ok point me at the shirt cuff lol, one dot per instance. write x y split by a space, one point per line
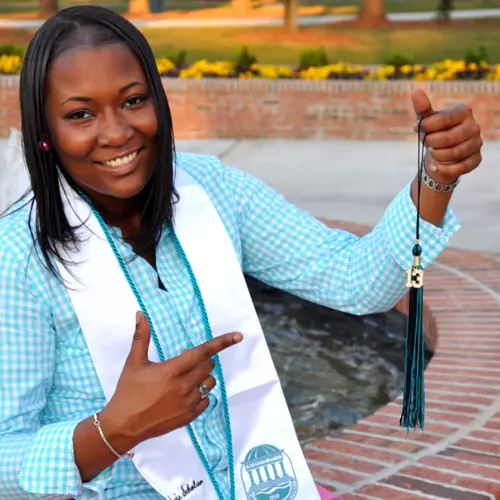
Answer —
399 228
49 465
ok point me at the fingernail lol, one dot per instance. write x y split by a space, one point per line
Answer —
137 318
433 168
238 337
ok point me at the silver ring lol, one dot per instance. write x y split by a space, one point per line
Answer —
203 390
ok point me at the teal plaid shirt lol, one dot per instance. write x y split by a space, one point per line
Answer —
48 382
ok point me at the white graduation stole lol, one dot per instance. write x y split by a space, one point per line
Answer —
269 463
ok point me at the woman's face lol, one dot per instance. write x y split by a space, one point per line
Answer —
102 120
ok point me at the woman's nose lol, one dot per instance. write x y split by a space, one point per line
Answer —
114 130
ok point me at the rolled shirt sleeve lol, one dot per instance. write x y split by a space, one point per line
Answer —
399 231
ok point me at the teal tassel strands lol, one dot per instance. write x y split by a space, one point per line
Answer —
413 411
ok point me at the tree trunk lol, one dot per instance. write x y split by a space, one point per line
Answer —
372 12
47 8
444 9
139 8
291 22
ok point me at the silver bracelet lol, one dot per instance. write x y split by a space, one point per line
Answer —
436 186
129 454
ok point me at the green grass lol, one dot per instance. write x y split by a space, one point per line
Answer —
10 6
365 46
431 5
414 5
19 6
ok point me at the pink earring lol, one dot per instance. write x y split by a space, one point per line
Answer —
44 146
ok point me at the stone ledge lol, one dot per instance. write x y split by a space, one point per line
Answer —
299 109
376 87
457 456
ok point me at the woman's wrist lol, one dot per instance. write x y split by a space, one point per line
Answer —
433 204
121 439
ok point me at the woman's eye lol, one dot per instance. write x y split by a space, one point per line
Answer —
79 115
134 101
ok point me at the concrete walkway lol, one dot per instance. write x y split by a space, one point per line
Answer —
249 22
351 181
355 180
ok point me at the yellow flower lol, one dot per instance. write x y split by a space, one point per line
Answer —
431 73
165 65
390 70
448 63
267 71
285 72
10 64
406 69
204 68
447 69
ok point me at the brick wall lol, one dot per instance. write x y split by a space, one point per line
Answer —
299 109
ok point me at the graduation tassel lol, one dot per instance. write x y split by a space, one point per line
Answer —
413 412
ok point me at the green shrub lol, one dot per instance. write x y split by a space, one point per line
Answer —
178 58
476 56
245 59
313 58
398 60
8 49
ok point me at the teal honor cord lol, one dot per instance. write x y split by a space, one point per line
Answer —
208 330
413 411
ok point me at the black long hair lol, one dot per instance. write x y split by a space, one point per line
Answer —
72 28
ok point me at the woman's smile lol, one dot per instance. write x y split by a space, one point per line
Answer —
123 164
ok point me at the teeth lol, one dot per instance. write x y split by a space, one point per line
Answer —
118 162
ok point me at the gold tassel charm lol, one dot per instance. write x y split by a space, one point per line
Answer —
415 275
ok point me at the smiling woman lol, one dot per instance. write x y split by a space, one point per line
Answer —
104 128
121 241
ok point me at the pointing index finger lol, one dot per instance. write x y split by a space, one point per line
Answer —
188 360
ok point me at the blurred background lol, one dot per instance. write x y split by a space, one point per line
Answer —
282 32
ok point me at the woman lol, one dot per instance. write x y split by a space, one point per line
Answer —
118 223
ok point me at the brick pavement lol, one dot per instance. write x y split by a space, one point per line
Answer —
457 456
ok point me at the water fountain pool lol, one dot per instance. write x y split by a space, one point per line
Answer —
335 368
